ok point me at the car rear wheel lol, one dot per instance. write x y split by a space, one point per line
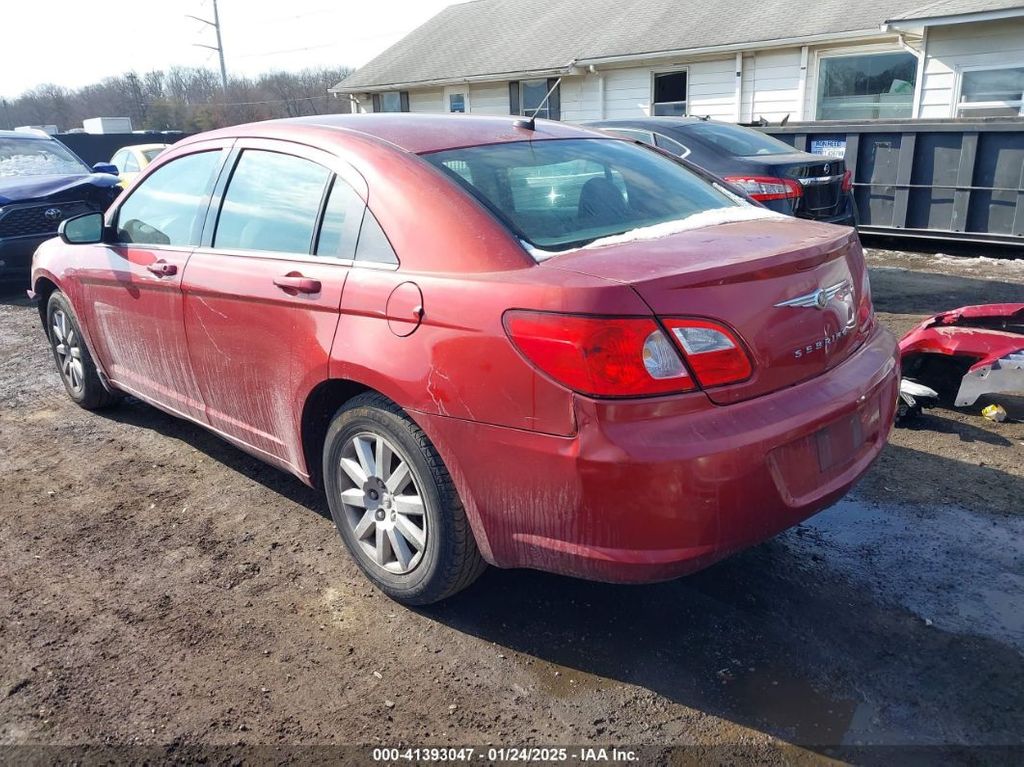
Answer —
74 362
395 505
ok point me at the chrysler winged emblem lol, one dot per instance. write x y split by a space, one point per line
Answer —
818 299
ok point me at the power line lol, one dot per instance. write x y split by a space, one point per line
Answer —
288 50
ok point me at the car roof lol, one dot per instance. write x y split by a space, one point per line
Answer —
416 133
32 135
144 147
666 122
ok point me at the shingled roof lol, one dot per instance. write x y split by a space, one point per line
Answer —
486 38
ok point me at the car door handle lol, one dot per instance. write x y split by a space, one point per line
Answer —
162 269
296 283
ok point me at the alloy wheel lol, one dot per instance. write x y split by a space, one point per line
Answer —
382 503
67 345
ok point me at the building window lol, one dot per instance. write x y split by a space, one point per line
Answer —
457 102
991 92
867 86
670 94
391 101
526 97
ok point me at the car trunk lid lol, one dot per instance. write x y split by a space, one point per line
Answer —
820 178
760 278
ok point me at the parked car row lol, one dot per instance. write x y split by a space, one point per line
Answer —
36 194
486 340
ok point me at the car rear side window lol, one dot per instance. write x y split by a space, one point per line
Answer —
339 231
564 193
272 203
739 141
168 206
374 246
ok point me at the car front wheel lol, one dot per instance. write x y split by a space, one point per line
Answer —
74 362
395 505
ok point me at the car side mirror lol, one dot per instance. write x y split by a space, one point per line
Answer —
106 167
86 229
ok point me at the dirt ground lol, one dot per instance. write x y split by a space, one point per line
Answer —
158 587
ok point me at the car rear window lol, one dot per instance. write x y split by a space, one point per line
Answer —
38 157
564 193
739 141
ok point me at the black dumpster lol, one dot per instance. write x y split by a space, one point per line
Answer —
959 180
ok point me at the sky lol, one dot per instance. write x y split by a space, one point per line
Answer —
74 43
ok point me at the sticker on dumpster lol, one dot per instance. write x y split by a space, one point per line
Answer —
829 147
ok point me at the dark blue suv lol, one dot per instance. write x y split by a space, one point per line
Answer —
42 182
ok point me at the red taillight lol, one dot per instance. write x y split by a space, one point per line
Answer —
713 352
628 356
764 188
603 357
848 181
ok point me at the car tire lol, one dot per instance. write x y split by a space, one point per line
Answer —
74 360
406 528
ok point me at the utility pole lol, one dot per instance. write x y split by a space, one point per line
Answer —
219 47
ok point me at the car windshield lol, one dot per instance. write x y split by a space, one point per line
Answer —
38 157
739 141
565 193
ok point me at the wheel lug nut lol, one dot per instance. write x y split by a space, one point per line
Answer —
379 515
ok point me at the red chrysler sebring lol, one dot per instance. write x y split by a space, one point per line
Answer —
489 342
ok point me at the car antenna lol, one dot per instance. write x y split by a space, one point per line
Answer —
530 123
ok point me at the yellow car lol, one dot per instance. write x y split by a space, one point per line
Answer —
130 160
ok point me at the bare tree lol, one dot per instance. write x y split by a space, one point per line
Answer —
180 98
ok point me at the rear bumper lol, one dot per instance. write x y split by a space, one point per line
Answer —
843 217
652 489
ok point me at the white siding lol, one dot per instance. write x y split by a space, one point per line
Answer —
712 89
775 83
627 92
996 43
426 101
581 98
771 81
488 98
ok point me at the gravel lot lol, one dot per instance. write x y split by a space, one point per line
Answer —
159 587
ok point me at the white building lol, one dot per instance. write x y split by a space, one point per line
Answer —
728 59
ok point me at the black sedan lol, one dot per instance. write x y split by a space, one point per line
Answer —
768 170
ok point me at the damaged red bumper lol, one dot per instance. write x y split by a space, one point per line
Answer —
968 352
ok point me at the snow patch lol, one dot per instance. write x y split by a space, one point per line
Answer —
706 218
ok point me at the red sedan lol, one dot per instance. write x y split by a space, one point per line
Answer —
488 342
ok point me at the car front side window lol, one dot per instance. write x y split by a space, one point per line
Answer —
271 204
167 208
